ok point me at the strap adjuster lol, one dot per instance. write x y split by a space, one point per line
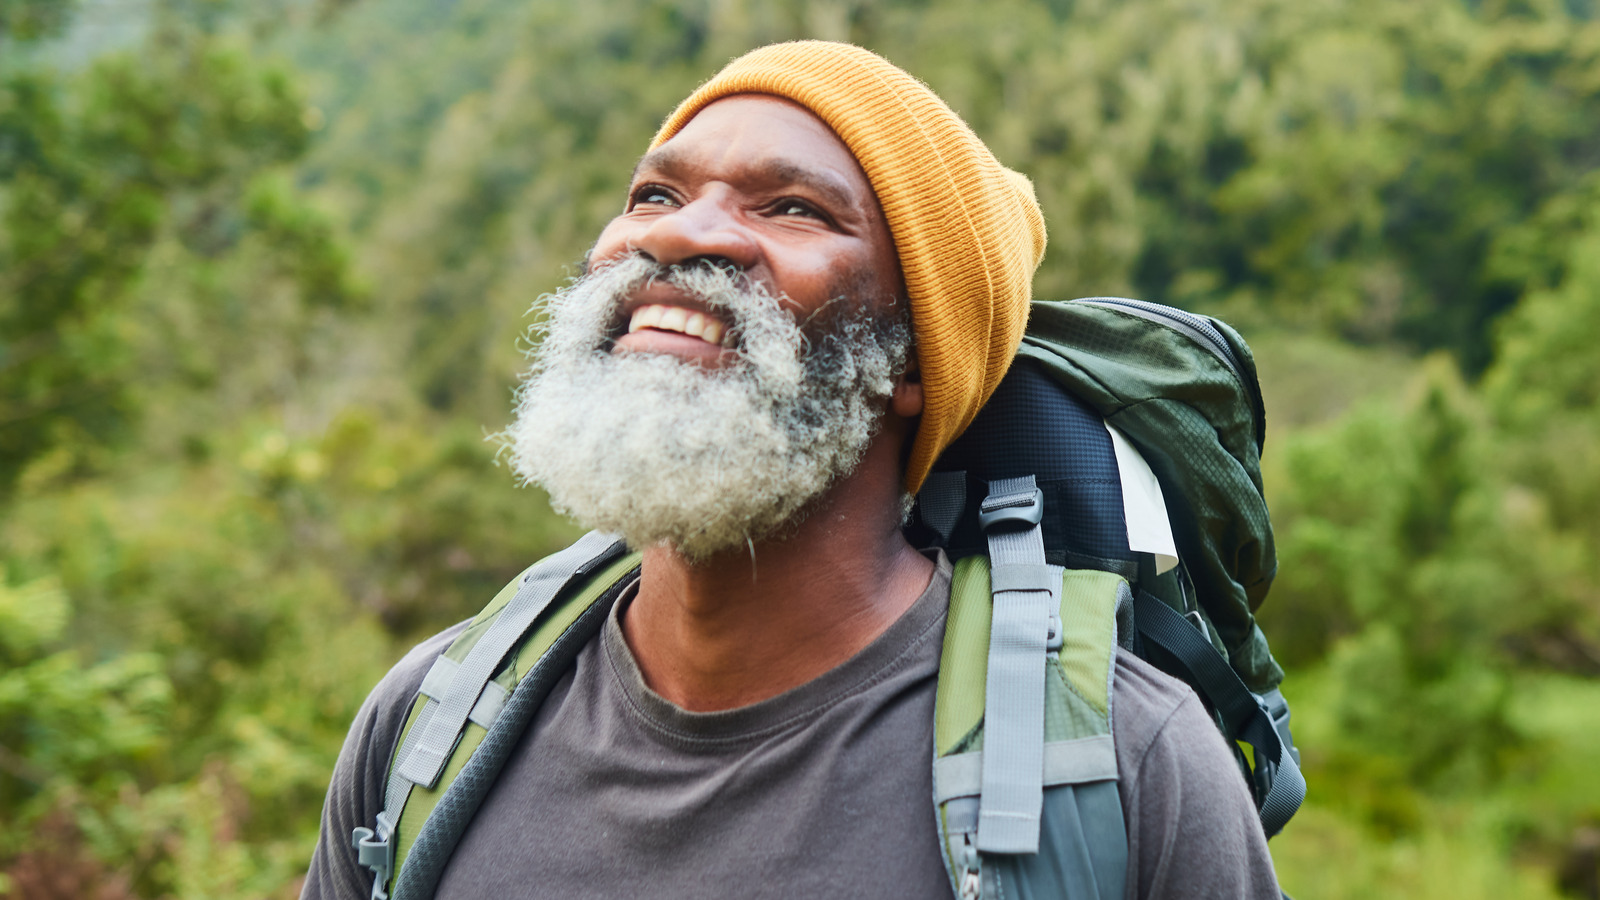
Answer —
1276 709
375 851
1021 510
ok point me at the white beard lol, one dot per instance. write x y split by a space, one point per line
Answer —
658 449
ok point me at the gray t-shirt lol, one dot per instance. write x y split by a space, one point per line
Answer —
822 791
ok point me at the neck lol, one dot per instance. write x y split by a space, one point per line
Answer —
752 622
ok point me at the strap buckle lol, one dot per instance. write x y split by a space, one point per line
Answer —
1021 510
1276 709
375 851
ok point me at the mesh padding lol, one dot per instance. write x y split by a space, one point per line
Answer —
1032 426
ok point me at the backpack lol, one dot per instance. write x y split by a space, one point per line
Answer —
1109 494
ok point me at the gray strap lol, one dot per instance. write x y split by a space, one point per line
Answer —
440 832
375 847
399 788
437 681
1022 576
489 703
1077 761
1028 596
454 693
542 583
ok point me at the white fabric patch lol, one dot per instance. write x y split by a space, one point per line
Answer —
1149 530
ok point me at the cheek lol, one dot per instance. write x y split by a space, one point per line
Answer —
823 276
613 241
867 279
886 263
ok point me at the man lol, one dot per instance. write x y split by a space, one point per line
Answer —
818 277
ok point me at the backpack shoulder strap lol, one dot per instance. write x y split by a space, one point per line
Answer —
464 701
1079 817
1260 720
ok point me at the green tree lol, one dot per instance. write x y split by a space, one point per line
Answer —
31 20
95 170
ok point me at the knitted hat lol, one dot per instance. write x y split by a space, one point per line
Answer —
968 230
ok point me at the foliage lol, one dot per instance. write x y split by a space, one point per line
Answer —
93 178
260 283
30 20
1384 170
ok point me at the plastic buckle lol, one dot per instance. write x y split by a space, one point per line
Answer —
1019 510
1053 641
375 851
1276 709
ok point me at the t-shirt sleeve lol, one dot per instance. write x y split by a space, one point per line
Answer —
1193 830
355 795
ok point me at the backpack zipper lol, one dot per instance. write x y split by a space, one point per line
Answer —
1197 328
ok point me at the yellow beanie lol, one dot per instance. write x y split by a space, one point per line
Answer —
968 230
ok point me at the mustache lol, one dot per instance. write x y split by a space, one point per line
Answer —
660 449
720 286
745 304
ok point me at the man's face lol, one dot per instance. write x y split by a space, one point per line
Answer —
761 185
728 355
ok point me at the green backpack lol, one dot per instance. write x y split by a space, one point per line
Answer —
1032 505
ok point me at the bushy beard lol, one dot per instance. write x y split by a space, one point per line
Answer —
658 449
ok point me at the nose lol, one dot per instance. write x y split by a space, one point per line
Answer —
709 228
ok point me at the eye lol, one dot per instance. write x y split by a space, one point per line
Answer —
653 195
790 206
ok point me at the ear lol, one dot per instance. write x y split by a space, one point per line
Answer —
906 399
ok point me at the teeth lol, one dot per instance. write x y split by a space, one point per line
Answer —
645 317
673 319
676 318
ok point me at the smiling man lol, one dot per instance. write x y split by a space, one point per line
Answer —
818 278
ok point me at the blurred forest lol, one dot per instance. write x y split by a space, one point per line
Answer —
264 267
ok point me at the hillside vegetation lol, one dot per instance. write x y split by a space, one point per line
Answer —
265 269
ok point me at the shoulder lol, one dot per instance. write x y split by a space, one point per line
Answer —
1193 830
376 729
355 794
1145 703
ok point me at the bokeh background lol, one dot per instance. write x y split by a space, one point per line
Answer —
264 267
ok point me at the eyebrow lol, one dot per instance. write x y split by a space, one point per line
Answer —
828 184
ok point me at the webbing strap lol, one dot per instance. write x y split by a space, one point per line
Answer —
1078 761
452 694
375 847
1027 595
1280 785
542 583
442 675
394 798
419 873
